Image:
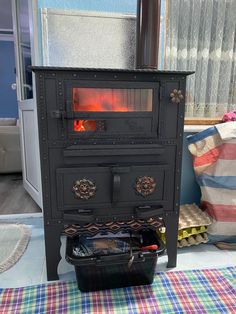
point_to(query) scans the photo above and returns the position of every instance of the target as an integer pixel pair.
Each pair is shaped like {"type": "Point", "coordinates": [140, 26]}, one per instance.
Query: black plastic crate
{"type": "Point", "coordinates": [114, 271]}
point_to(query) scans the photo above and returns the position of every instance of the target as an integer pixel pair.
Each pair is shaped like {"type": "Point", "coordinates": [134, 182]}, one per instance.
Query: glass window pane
{"type": "Point", "coordinates": [112, 100]}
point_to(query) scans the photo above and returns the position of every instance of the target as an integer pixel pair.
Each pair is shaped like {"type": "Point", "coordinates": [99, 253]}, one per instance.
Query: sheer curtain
{"type": "Point", "coordinates": [201, 37]}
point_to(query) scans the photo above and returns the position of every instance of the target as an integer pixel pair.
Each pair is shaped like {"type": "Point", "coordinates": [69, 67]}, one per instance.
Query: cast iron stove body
{"type": "Point", "coordinates": [111, 147]}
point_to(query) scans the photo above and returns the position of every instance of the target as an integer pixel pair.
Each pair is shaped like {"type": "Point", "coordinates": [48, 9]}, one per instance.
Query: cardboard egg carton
{"type": "Point", "coordinates": [191, 215]}
{"type": "Point", "coordinates": [192, 222]}
{"type": "Point", "coordinates": [193, 240]}
{"type": "Point", "coordinates": [187, 238]}
{"type": "Point", "coordinates": [185, 233]}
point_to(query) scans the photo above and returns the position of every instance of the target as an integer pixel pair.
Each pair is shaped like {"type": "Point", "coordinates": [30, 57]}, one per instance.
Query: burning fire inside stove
{"type": "Point", "coordinates": [108, 100]}
{"type": "Point", "coordinates": [85, 125]}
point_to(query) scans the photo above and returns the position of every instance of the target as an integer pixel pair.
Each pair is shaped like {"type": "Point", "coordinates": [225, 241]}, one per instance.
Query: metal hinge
{"type": "Point", "coordinates": [61, 114]}
{"type": "Point", "coordinates": [57, 114]}
{"type": "Point", "coordinates": [161, 90]}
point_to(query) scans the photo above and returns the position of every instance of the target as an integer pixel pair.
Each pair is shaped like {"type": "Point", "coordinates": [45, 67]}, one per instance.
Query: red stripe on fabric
{"type": "Point", "coordinates": [208, 158]}
{"type": "Point", "coordinates": [51, 297]}
{"type": "Point", "coordinates": [6, 303]}
{"type": "Point", "coordinates": [219, 212]}
{"type": "Point", "coordinates": [177, 283]}
{"type": "Point", "coordinates": [225, 151]}
{"type": "Point", "coordinates": [144, 300]}
{"type": "Point", "coordinates": [228, 151]}
{"type": "Point", "coordinates": [97, 304]}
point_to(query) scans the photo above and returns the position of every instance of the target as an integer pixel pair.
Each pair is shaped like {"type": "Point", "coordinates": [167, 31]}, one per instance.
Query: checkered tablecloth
{"type": "Point", "coordinates": [195, 291]}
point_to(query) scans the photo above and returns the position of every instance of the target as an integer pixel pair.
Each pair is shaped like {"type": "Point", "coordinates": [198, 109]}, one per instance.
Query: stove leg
{"type": "Point", "coordinates": [52, 246]}
{"type": "Point", "coordinates": [171, 223]}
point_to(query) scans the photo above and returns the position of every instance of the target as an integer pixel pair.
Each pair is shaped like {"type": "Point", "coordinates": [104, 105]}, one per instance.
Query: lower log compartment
{"type": "Point", "coordinates": [107, 261]}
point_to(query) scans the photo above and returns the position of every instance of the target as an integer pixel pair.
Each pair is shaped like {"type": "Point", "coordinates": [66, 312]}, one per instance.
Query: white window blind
{"type": "Point", "coordinates": [201, 37]}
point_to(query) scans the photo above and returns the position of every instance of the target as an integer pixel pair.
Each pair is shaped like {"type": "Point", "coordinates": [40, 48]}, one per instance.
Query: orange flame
{"type": "Point", "coordinates": [85, 125]}
{"type": "Point", "coordinates": [98, 100]}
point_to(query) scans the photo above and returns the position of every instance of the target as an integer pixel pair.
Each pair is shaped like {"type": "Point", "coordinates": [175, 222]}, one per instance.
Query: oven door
{"type": "Point", "coordinates": [111, 109]}
{"type": "Point", "coordinates": [117, 189]}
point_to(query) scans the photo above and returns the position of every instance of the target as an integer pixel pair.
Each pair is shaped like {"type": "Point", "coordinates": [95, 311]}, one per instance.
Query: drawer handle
{"type": "Point", "coordinates": [116, 171]}
{"type": "Point", "coordinates": [116, 188]}
{"type": "Point", "coordinates": [80, 218]}
{"type": "Point", "coordinates": [146, 212]}
{"type": "Point", "coordinates": [176, 96]}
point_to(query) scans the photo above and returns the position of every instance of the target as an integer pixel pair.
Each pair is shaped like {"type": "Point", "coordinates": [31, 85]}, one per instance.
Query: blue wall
{"type": "Point", "coordinates": [190, 191]}
{"type": "Point", "coordinates": [8, 102]}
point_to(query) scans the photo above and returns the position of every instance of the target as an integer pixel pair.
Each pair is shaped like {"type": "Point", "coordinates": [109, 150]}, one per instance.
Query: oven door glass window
{"type": "Point", "coordinates": [112, 100]}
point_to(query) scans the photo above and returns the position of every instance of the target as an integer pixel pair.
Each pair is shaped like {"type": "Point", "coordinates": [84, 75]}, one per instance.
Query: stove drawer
{"type": "Point", "coordinates": [117, 186]}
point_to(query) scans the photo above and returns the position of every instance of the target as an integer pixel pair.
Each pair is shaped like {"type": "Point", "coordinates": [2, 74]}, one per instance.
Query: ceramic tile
{"type": "Point", "coordinates": [26, 272]}
{"type": "Point", "coordinates": [200, 256]}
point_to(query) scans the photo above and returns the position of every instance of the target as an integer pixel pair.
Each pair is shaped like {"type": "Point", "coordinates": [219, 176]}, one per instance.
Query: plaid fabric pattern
{"type": "Point", "coordinates": [194, 291]}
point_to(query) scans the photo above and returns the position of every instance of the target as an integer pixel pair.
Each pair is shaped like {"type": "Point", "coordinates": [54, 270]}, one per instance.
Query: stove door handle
{"type": "Point", "coordinates": [116, 188]}
{"type": "Point", "coordinates": [85, 218]}
{"type": "Point", "coordinates": [146, 212]}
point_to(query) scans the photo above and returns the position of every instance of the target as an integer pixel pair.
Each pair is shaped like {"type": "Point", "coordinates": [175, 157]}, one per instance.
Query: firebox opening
{"type": "Point", "coordinates": [112, 99]}
{"type": "Point", "coordinates": [85, 125]}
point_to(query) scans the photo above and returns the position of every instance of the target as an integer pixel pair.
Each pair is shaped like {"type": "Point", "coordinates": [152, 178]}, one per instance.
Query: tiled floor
{"type": "Point", "coordinates": [31, 268]}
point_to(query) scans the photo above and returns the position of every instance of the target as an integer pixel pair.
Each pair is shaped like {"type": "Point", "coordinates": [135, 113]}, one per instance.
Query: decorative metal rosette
{"type": "Point", "coordinates": [176, 96]}
{"type": "Point", "coordinates": [84, 189]}
{"type": "Point", "coordinates": [145, 185]}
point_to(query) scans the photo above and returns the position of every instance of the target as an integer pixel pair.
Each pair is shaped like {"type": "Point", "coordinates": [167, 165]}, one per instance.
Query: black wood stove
{"type": "Point", "coordinates": [111, 147]}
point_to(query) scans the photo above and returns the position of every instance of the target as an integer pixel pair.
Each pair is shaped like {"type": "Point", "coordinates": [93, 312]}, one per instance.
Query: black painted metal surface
{"type": "Point", "coordinates": [147, 33]}
{"type": "Point", "coordinates": [106, 175]}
